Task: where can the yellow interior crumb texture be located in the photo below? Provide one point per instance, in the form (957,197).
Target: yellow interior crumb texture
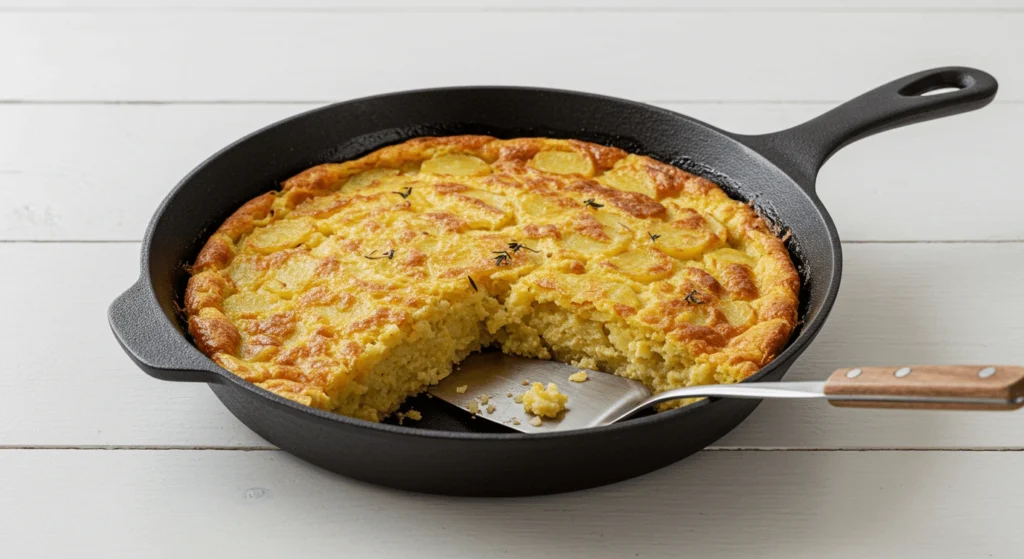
(359,284)
(578,376)
(545,402)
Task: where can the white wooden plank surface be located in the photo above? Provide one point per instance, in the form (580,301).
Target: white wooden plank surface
(97,172)
(906,304)
(715,504)
(900,303)
(624,5)
(806,487)
(330,55)
(65,380)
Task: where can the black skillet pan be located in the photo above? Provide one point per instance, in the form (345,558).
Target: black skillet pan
(448,453)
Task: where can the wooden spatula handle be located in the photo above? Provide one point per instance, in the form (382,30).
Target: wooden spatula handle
(973,384)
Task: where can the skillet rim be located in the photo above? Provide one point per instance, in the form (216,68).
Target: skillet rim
(807,330)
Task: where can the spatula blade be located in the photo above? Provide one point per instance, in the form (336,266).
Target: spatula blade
(502,377)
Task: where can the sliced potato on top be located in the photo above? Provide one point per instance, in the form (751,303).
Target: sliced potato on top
(250,303)
(288,233)
(738,313)
(492,199)
(296,272)
(614,226)
(583,244)
(620,293)
(246,272)
(689,235)
(631,178)
(366,178)
(545,205)
(643,265)
(722,257)
(456,164)
(563,163)
(478,209)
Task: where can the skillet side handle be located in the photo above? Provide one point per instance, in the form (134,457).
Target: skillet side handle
(946,387)
(153,343)
(803,149)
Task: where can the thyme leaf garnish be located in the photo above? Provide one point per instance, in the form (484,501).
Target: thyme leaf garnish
(516,245)
(502,258)
(590,203)
(373,255)
(690,298)
(472,283)
(405,194)
(653,236)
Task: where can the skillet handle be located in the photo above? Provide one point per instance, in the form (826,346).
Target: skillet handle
(803,149)
(153,343)
(962,387)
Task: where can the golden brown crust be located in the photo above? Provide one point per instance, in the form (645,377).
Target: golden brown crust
(213,332)
(738,280)
(534,231)
(633,203)
(215,255)
(243,220)
(302,291)
(205,290)
(605,157)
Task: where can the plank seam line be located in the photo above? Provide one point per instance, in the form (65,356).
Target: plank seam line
(515,9)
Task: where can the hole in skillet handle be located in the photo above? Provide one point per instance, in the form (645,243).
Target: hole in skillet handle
(939,91)
(938,84)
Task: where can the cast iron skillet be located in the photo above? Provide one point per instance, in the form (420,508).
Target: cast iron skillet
(449,453)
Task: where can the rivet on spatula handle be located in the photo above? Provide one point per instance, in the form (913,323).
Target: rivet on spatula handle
(966,387)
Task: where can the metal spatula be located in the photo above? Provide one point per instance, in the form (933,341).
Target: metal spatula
(491,382)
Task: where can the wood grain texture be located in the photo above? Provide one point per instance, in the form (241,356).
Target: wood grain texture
(715,504)
(990,382)
(105,168)
(141,55)
(937,307)
(63,357)
(95,171)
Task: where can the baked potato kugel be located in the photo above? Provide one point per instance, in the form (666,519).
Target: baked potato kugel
(359,284)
